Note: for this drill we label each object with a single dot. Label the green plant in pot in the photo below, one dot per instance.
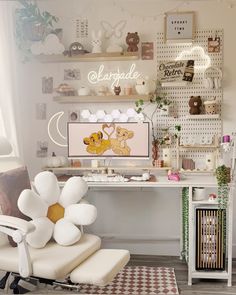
(160, 102)
(32, 24)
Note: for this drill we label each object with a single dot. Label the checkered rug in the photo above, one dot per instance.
(141, 280)
(132, 280)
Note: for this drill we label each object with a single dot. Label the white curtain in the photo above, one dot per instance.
(8, 76)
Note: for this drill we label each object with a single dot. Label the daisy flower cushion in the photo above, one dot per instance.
(56, 213)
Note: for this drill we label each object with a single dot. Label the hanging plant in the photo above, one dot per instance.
(223, 179)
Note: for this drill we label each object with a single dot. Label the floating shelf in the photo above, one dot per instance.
(94, 98)
(202, 117)
(89, 57)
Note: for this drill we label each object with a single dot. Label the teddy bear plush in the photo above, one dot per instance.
(195, 104)
(132, 39)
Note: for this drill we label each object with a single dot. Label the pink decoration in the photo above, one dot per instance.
(175, 176)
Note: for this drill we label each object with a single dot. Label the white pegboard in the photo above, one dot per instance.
(181, 95)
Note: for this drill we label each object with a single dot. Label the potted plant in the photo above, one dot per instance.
(32, 24)
(160, 103)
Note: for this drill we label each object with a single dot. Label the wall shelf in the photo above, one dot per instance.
(94, 98)
(88, 57)
(202, 117)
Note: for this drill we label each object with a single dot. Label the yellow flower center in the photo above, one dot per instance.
(55, 212)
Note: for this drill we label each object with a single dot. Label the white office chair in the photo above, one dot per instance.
(68, 266)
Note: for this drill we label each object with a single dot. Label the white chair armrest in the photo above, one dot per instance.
(18, 229)
(16, 223)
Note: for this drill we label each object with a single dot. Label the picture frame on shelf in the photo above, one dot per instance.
(179, 27)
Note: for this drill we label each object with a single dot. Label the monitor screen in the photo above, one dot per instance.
(86, 140)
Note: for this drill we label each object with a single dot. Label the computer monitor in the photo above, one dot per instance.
(102, 140)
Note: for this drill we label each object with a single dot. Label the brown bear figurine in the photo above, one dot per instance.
(132, 39)
(195, 104)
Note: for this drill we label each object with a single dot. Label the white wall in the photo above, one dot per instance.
(133, 213)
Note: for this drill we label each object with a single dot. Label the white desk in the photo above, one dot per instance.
(190, 182)
(161, 181)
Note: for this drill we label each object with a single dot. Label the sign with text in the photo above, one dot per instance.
(176, 71)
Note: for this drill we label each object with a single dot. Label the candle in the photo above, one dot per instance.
(226, 138)
(167, 157)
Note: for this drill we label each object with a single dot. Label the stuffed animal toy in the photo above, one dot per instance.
(96, 144)
(118, 144)
(75, 49)
(145, 86)
(97, 41)
(195, 104)
(132, 39)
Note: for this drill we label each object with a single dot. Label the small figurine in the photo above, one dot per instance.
(75, 49)
(97, 41)
(117, 90)
(175, 176)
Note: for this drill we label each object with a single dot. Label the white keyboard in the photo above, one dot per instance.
(105, 178)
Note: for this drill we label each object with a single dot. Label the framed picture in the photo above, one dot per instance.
(179, 27)
(176, 71)
(101, 139)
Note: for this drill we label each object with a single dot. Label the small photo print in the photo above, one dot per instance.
(73, 116)
(47, 85)
(147, 51)
(41, 111)
(72, 74)
(42, 149)
(214, 44)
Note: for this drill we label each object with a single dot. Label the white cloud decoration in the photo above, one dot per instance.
(51, 45)
(202, 60)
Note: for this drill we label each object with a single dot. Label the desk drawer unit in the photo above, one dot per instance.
(210, 239)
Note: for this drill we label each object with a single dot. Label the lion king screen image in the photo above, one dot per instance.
(108, 139)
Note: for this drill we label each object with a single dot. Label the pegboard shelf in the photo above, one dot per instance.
(94, 98)
(199, 146)
(202, 117)
(174, 84)
(88, 57)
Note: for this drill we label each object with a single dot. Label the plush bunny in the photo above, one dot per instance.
(97, 41)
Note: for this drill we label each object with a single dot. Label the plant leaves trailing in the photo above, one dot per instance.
(30, 14)
(160, 103)
(223, 179)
